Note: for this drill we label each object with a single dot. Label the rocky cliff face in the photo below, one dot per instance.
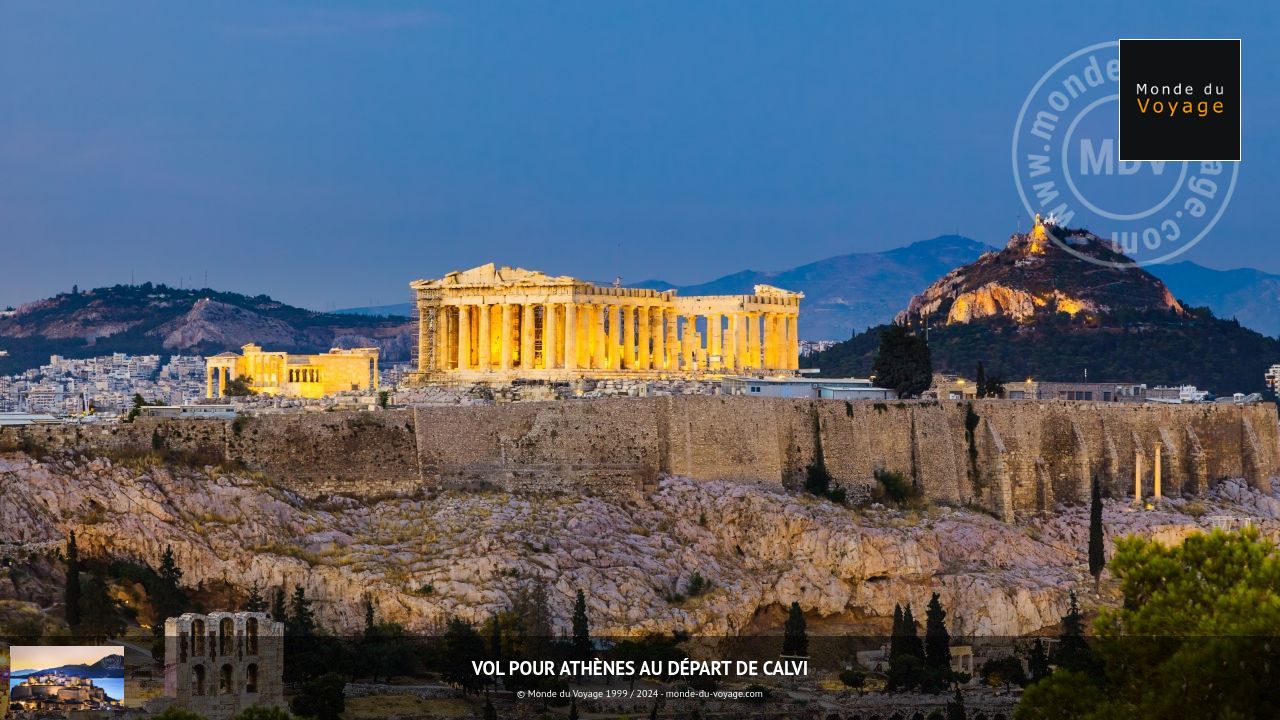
(1035, 276)
(456, 553)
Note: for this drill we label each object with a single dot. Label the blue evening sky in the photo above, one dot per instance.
(328, 153)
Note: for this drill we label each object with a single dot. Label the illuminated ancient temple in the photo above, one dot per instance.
(273, 372)
(501, 324)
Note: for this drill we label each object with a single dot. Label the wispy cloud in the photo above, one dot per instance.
(326, 22)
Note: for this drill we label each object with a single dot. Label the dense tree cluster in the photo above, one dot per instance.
(1194, 637)
(903, 362)
(1152, 348)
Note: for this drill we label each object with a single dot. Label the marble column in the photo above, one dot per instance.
(424, 320)
(614, 360)
(208, 381)
(688, 342)
(753, 340)
(505, 338)
(715, 344)
(730, 345)
(570, 336)
(485, 340)
(444, 338)
(769, 340)
(673, 340)
(628, 337)
(464, 337)
(599, 341)
(528, 326)
(642, 343)
(658, 329)
(550, 327)
(792, 341)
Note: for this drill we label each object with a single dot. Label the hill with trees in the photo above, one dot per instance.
(1036, 310)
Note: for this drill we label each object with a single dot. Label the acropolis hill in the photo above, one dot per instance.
(497, 324)
(628, 497)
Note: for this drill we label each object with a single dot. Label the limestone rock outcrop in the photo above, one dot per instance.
(430, 556)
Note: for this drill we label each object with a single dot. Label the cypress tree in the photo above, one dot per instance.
(278, 612)
(795, 641)
(937, 645)
(895, 639)
(981, 381)
(302, 621)
(71, 596)
(581, 628)
(1073, 652)
(368, 616)
(495, 639)
(573, 709)
(1038, 662)
(489, 712)
(911, 634)
(255, 602)
(1097, 555)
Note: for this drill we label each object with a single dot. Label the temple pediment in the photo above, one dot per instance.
(490, 275)
(771, 291)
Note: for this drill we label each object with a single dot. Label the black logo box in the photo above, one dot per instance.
(1184, 64)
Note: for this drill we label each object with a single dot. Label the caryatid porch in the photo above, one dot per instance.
(501, 324)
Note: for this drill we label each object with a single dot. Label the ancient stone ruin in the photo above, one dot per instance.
(219, 664)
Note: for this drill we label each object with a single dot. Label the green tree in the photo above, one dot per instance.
(573, 709)
(937, 646)
(1097, 551)
(1004, 671)
(1073, 652)
(903, 363)
(581, 629)
(795, 640)
(1037, 662)
(71, 594)
(1193, 638)
(301, 621)
(490, 713)
(495, 639)
(980, 381)
(255, 602)
(367, 601)
(278, 608)
(321, 698)
(99, 620)
(239, 386)
(463, 646)
(168, 599)
(906, 654)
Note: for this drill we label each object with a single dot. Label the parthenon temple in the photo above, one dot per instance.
(499, 324)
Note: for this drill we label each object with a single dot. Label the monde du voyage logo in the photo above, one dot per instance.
(1134, 140)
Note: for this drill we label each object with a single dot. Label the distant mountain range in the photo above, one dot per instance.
(111, 666)
(155, 319)
(849, 293)
(1032, 309)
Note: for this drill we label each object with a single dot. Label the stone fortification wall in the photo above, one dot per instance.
(1008, 456)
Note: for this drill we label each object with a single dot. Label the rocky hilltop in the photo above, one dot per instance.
(456, 553)
(1035, 309)
(1033, 276)
(155, 319)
